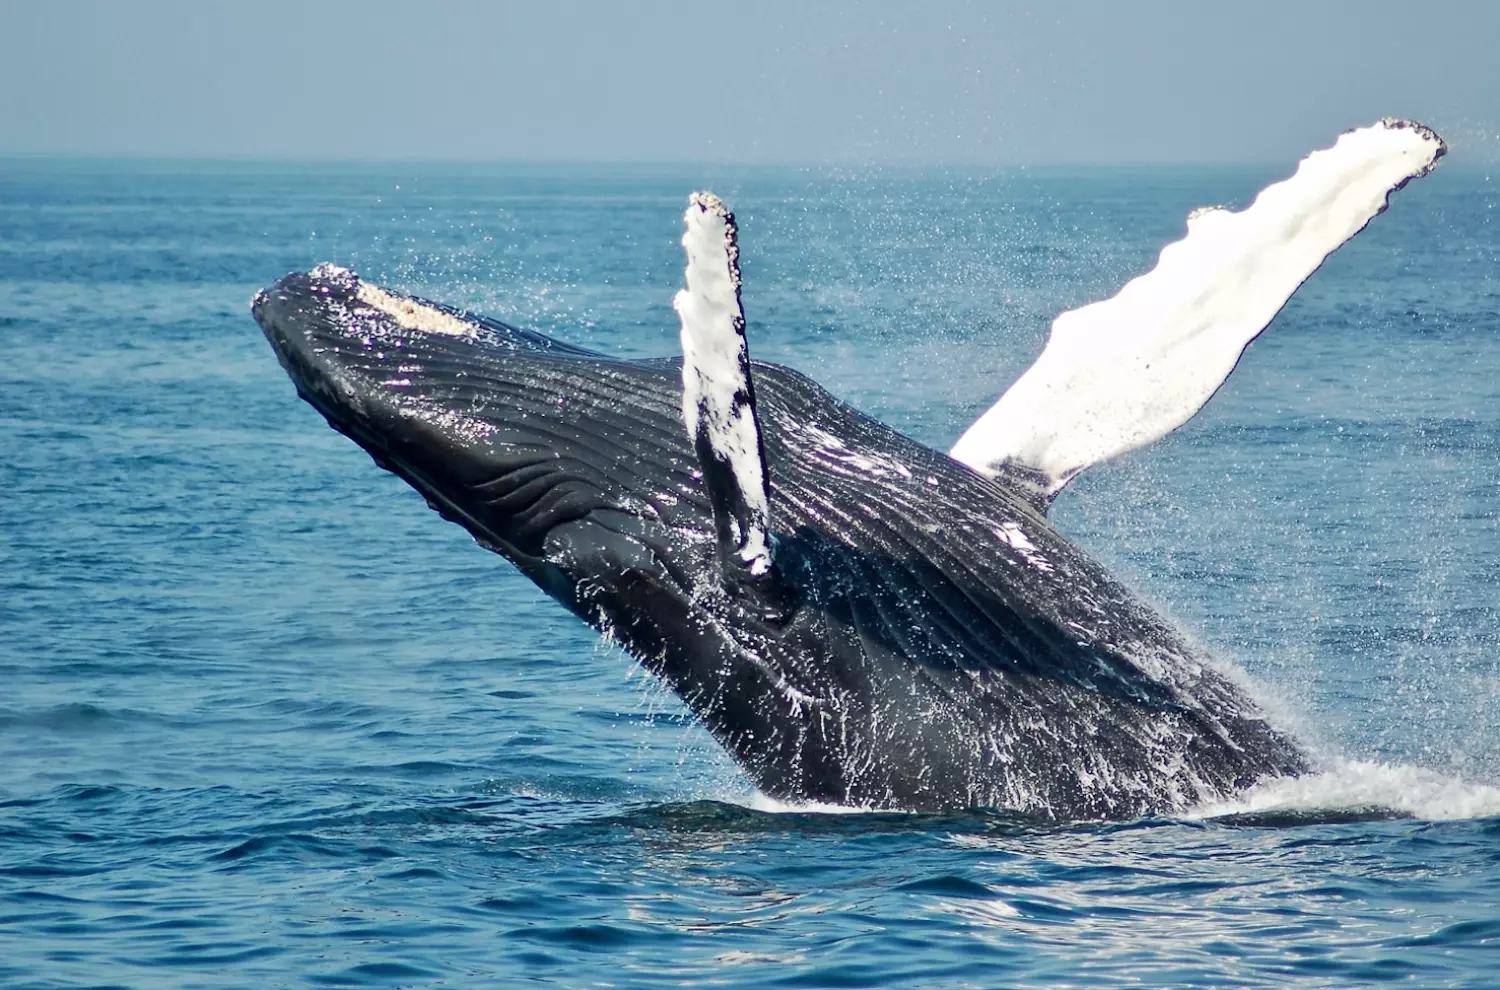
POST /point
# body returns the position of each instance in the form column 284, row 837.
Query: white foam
column 1350, row 785
column 1124, row 372
column 764, row 802
column 715, row 360
column 1357, row 784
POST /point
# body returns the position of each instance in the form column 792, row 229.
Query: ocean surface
column 267, row 721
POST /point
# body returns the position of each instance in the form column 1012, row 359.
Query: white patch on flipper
column 715, row 363
column 1124, row 372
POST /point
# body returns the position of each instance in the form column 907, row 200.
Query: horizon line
column 140, row 158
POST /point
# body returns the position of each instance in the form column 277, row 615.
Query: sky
column 753, row 82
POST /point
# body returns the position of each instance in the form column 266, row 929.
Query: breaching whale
column 857, row 618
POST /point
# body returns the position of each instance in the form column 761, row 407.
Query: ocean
column 267, row 721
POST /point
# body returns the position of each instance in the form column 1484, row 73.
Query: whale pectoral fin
column 1122, row 373
column 718, row 397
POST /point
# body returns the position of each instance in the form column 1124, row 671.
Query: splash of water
column 1362, row 784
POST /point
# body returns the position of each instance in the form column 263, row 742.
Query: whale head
column 532, row 445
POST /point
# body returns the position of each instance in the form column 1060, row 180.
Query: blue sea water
column 267, row 721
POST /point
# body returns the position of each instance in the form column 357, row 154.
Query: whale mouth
column 449, row 402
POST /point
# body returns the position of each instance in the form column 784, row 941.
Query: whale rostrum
column 857, row 618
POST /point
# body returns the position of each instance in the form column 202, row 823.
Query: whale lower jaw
column 931, row 642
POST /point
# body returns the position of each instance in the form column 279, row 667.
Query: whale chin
column 926, row 640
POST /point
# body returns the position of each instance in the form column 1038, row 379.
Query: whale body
column 857, row 618
column 936, row 644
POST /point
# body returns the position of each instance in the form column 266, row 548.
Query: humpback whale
column 857, row 618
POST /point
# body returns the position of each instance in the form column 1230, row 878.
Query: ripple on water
column 266, row 721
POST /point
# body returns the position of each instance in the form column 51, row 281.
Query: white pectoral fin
column 718, row 398
column 1124, row 372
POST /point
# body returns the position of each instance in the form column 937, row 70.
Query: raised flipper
column 1122, row 373
column 718, row 399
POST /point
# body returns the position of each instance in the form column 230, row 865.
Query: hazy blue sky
column 1069, row 80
